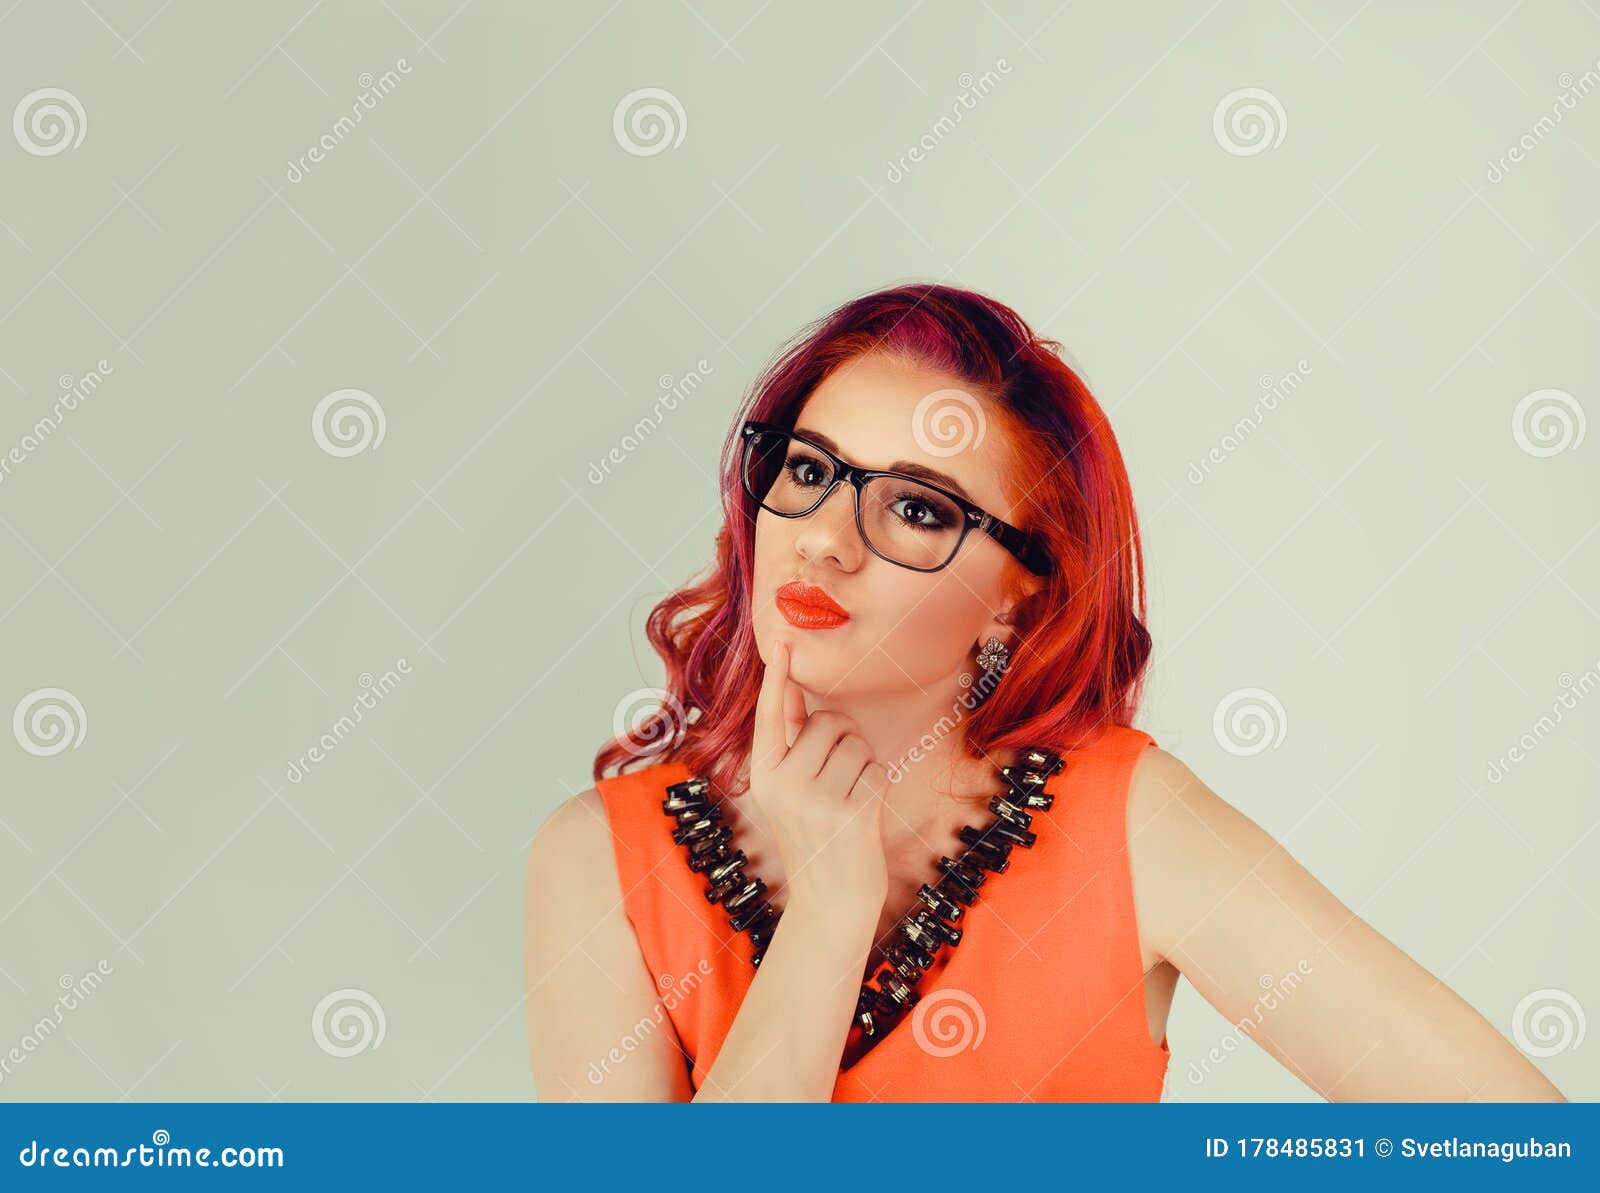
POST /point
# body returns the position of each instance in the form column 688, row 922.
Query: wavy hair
column 1079, row 659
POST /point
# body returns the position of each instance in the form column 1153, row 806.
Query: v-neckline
column 930, row 876
column 1019, row 796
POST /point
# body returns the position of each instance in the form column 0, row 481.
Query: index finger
column 794, row 706
column 768, row 740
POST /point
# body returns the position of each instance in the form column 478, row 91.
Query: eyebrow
column 909, row 467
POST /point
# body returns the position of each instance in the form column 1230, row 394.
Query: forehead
column 883, row 411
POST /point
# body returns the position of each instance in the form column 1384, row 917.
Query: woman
column 892, row 836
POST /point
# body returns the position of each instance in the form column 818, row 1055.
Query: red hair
column 1082, row 647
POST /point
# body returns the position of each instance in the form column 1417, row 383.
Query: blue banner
column 311, row 1145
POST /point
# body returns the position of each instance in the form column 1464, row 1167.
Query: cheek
column 930, row 629
column 774, row 564
column 774, row 546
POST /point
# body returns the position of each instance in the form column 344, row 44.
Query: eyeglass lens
column 902, row 520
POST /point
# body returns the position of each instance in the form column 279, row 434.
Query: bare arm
column 1351, row 1014
column 814, row 780
column 596, row 1026
column 787, row 1039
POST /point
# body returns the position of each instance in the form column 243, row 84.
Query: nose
column 829, row 532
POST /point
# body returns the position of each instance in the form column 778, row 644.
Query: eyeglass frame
column 1025, row 547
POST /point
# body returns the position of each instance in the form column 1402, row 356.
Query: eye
column 805, row 470
column 918, row 513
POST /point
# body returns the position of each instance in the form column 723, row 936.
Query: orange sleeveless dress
column 1042, row 1000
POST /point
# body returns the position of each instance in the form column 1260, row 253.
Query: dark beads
column 955, row 889
column 987, row 840
column 688, row 816
column 964, row 874
column 1026, row 787
column 696, row 830
column 686, row 796
column 990, row 859
column 756, row 914
column 946, row 932
column 928, row 934
column 707, row 850
column 726, row 867
column 1018, row 836
column 751, row 890
column 940, row 903
column 896, row 956
column 898, row 991
column 913, row 955
column 1047, row 762
column 920, row 934
column 1009, row 812
column 870, row 1012
column 1028, row 778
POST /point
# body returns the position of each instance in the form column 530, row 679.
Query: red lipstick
column 808, row 607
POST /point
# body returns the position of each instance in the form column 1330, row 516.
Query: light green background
column 483, row 257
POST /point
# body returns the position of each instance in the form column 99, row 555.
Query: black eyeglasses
column 904, row 520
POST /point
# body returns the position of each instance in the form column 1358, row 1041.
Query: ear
column 999, row 626
column 1002, row 623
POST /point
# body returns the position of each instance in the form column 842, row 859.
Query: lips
column 808, row 607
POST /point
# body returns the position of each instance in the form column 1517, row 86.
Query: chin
column 823, row 666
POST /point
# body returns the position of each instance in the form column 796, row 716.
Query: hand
column 820, row 794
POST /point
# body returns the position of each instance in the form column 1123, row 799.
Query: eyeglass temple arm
column 1021, row 544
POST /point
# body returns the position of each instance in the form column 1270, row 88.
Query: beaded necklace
column 927, row 927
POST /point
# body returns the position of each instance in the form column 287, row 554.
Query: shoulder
column 576, row 819
column 1187, row 847
column 1168, row 803
column 570, row 855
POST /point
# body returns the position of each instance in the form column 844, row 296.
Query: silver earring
column 994, row 656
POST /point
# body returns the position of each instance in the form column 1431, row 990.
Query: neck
column 933, row 782
column 917, row 737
